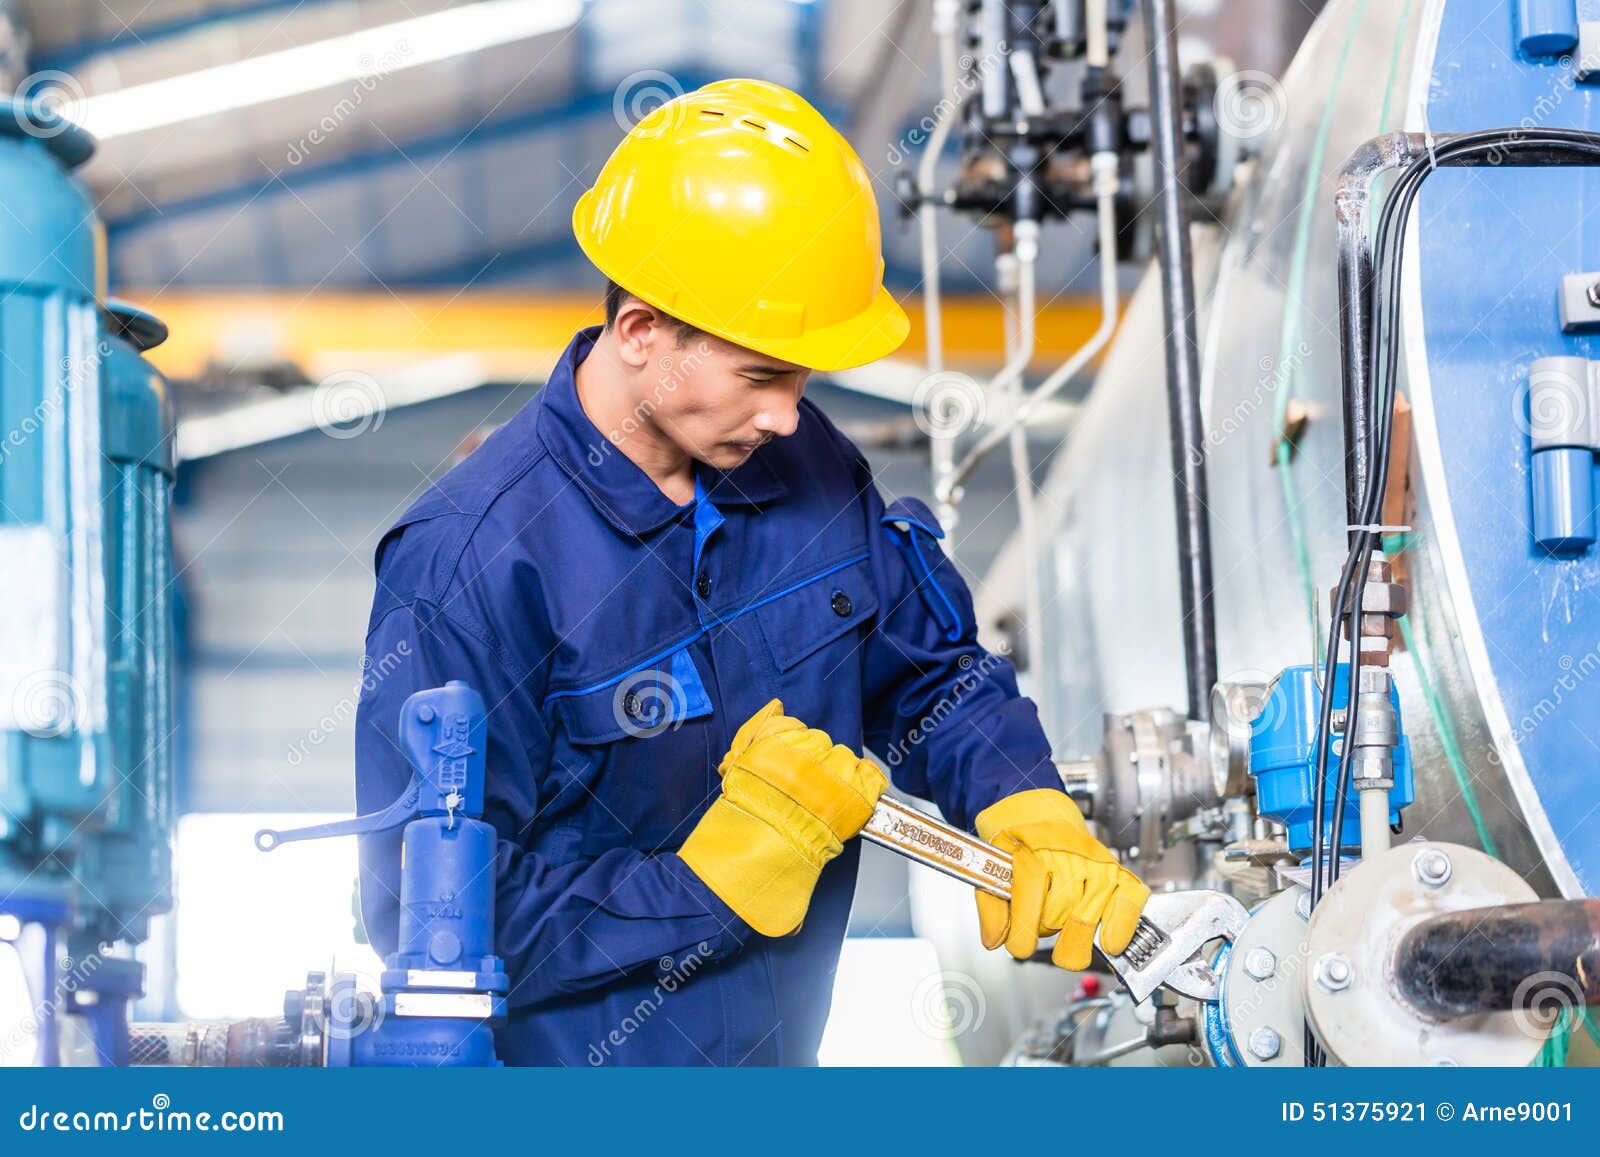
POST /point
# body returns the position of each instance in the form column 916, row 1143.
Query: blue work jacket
column 619, row 639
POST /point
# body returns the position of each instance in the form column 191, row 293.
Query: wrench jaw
column 1165, row 950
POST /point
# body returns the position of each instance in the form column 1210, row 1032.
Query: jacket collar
column 618, row 488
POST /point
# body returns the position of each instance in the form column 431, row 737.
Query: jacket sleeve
column 943, row 713
column 561, row 928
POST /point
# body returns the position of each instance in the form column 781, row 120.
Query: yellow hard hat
column 739, row 209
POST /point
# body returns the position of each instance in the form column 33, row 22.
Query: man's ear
column 639, row 328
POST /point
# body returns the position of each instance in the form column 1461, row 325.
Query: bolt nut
column 1431, row 867
column 1265, row 1044
column 1260, row 963
column 1302, row 906
column 1333, row 972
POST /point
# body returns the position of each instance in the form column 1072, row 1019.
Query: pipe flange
column 1353, row 1003
column 1261, row 984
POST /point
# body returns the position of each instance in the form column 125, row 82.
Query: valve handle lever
column 443, row 731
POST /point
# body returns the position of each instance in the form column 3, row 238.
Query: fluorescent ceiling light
column 370, row 53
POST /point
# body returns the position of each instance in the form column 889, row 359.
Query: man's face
column 719, row 402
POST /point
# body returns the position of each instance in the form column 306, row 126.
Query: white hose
column 1374, row 822
column 1105, row 170
column 1019, row 334
column 942, row 443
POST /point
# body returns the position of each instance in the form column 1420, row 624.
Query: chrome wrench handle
column 1151, row 959
column 918, row 836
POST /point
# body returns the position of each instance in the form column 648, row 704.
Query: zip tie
column 1379, row 528
column 1427, row 139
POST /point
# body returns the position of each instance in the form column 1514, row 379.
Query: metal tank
column 85, row 621
column 1498, row 667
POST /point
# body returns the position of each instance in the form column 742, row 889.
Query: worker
column 689, row 610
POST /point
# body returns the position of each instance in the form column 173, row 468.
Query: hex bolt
column 1260, row 963
column 1593, row 294
column 1431, row 867
column 1302, row 906
column 1333, row 972
column 1265, row 1044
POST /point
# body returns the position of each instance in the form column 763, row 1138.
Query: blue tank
column 126, row 855
column 53, row 637
column 85, row 565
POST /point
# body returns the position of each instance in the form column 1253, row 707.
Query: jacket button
column 702, row 585
column 841, row 604
column 630, row 705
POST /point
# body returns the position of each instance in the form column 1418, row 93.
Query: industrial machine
column 85, row 645
column 1388, row 328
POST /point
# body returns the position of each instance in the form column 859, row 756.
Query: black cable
column 1383, row 356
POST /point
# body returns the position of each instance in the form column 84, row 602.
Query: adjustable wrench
column 1171, row 930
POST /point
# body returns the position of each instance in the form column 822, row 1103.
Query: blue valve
column 444, row 988
column 1563, row 430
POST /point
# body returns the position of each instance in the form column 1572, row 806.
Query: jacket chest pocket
column 814, row 634
column 633, row 763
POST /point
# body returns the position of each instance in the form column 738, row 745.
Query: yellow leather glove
column 790, row 798
column 1063, row 880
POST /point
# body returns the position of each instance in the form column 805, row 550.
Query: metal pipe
column 1540, row 956
column 1352, row 201
column 1183, row 360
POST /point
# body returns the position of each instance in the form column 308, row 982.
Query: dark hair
column 615, row 295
